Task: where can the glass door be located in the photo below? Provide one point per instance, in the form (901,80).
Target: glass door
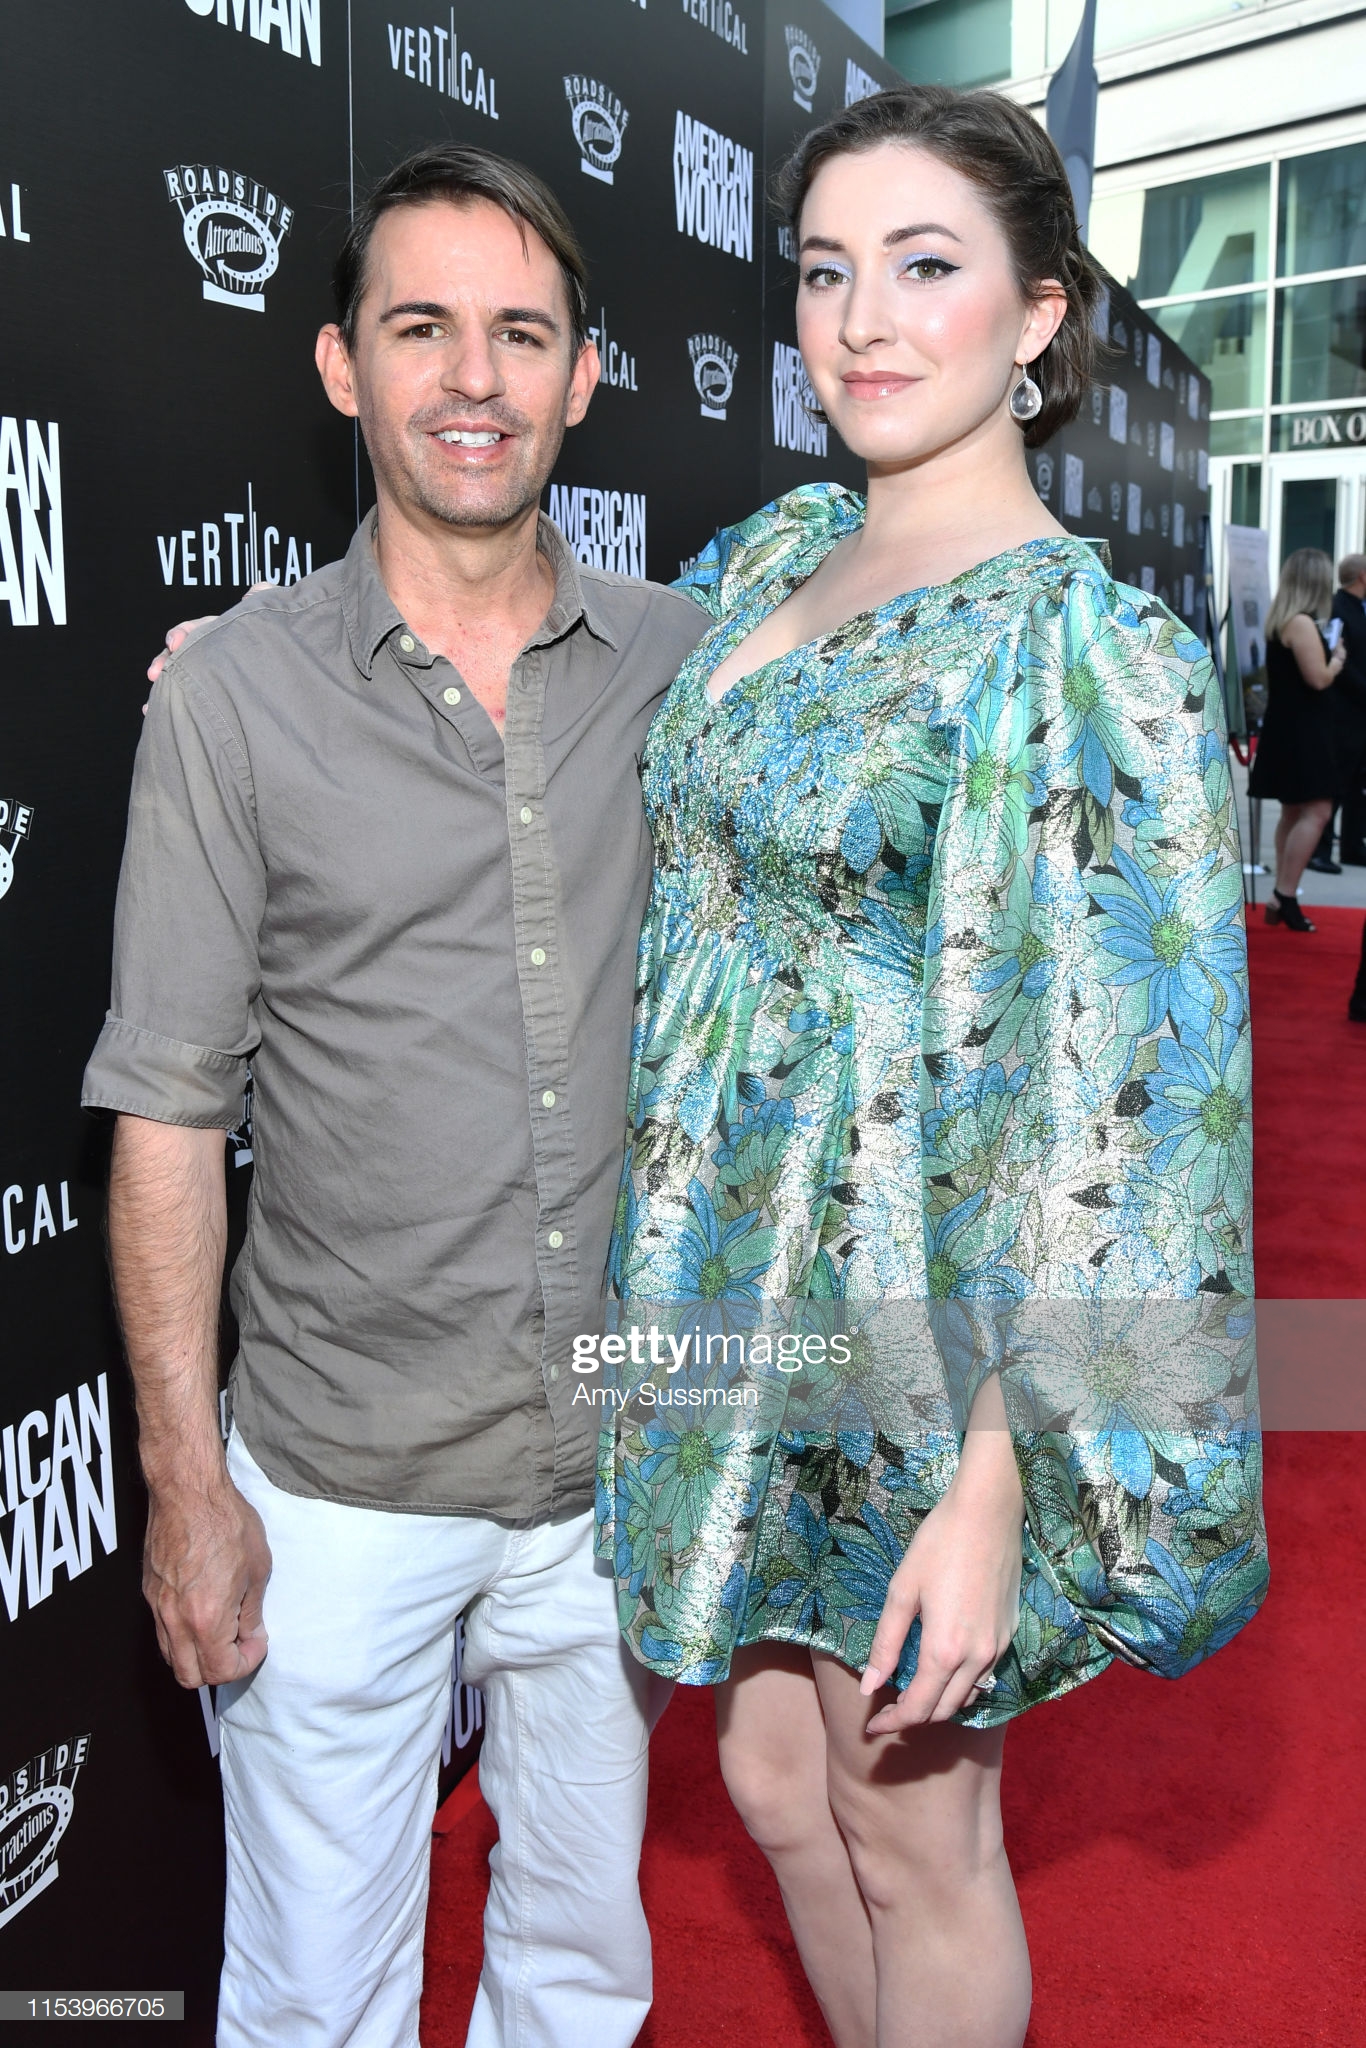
(1315,500)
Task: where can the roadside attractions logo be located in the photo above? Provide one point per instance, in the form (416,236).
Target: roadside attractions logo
(233,228)
(714,363)
(599,122)
(803,66)
(36,1805)
(16,823)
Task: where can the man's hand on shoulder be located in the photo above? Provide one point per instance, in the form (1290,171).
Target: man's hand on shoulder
(204,1571)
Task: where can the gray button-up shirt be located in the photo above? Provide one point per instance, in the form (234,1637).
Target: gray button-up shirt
(423,938)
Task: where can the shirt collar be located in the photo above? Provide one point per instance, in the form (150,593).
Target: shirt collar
(371,614)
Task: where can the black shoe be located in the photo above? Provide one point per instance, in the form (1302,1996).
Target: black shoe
(1356,1012)
(1291,916)
(1324,867)
(1354,860)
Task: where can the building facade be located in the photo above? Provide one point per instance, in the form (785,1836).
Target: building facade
(1230,197)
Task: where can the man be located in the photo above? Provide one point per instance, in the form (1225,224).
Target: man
(1349,605)
(385,842)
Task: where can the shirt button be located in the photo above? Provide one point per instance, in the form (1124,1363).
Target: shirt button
(548,1099)
(451,696)
(555,1240)
(525,814)
(407,643)
(538,956)
(554,1372)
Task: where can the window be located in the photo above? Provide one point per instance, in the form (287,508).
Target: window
(1199,236)
(1227,338)
(1323,220)
(1321,341)
(1236,437)
(963,43)
(1187,251)
(1245,496)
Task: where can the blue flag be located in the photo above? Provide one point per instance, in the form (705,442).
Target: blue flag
(1070,113)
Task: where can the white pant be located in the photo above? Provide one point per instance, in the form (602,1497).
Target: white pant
(329,1756)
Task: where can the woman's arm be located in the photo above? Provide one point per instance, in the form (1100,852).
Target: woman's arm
(1301,636)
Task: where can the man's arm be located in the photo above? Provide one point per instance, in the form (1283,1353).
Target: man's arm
(1352,681)
(206,1560)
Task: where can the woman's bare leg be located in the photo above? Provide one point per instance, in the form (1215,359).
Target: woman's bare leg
(1297,834)
(773,1759)
(920,1811)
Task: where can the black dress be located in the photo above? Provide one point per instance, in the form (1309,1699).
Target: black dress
(1297,753)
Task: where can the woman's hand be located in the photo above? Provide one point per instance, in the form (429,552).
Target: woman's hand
(961,1575)
(178,635)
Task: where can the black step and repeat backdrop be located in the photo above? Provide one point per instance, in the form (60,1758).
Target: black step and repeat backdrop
(175,176)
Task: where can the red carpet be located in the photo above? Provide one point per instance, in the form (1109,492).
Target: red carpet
(1189,1856)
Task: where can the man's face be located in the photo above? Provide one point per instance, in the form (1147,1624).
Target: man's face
(463,373)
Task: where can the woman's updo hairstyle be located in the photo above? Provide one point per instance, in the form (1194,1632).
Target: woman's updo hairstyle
(994,144)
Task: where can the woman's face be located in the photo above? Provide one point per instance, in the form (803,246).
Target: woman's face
(909,315)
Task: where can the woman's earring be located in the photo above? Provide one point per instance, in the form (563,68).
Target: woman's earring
(1026,400)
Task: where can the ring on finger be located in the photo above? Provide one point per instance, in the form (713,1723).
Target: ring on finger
(986,1683)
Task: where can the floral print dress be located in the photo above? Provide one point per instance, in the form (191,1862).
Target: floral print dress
(943,1004)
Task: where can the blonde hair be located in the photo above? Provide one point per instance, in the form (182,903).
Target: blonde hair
(1306,585)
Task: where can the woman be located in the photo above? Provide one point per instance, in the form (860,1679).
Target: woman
(1296,759)
(943,1011)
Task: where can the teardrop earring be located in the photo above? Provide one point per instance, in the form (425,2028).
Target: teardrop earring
(1026,400)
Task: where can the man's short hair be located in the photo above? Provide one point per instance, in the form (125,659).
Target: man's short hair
(1351,568)
(459,172)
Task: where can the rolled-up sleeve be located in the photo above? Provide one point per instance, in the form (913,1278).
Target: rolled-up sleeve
(181,1024)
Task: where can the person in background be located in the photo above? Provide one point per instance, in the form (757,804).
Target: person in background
(1349,697)
(1297,755)
(1356,1001)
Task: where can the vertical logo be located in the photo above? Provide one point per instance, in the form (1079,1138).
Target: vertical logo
(713,188)
(36,1805)
(794,427)
(233,228)
(16,229)
(723,21)
(713,373)
(16,823)
(618,367)
(803,66)
(599,122)
(31,501)
(434,57)
(236,553)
